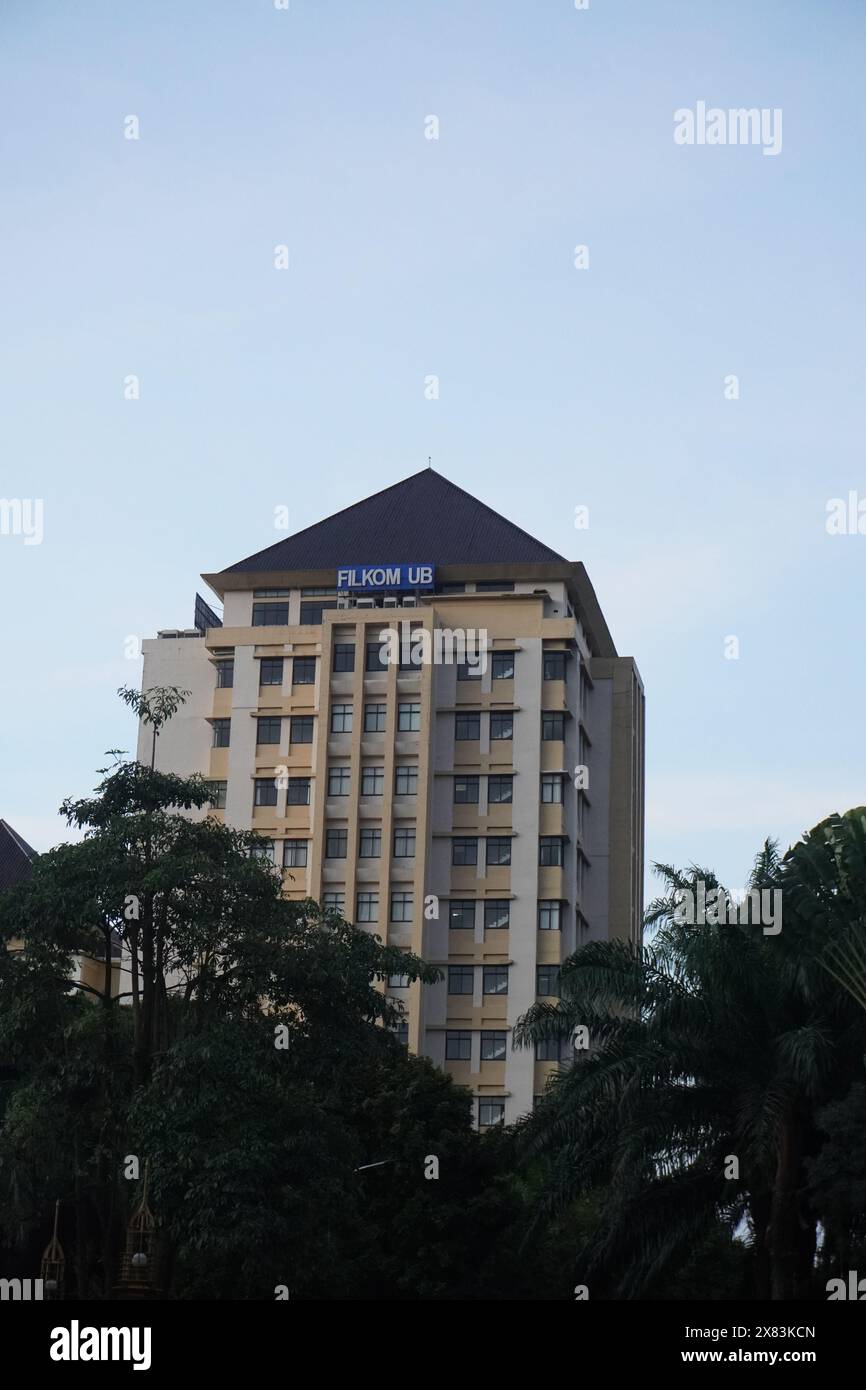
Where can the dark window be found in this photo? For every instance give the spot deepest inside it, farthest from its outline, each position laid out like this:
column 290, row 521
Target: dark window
column 271, row 670
column 554, row 666
column 493, row 1046
column 344, row 656
column 500, row 789
column 218, row 795
column 264, row 851
column 398, row 981
column 406, row 781
column 552, row 725
column 404, row 844
column 294, row 854
column 265, row 793
column 336, row 842
column 461, row 914
column 298, row 793
column 497, row 914
column 550, row 850
column 547, row 980
column 335, row 901
column 547, row 1050
column 452, row 588
column 272, row 593
column 458, row 1046
column 374, row 719
column 466, row 789
column 461, row 979
column 502, row 666
column 301, row 728
column 467, row 726
column 221, row 732
column 464, row 850
column 373, row 781
column 368, row 907
column 339, row 781
column 490, row 586
column 270, row 614
column 491, row 1112
column 225, row 674
column 468, row 671
column 498, row 849
column 401, row 907
column 549, row 914
column 303, row 670
column 341, row 719
column 494, row 979
column 371, row 844
column 376, row 657
column 501, row 726
column 408, row 717
column 311, row 613
column 269, row 730
column 551, row 787
column 401, row 1032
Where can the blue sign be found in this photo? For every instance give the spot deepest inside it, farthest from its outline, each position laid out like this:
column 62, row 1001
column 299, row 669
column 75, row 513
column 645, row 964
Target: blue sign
column 385, row 577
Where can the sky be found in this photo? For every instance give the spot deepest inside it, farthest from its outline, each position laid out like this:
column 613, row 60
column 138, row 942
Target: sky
column 605, row 384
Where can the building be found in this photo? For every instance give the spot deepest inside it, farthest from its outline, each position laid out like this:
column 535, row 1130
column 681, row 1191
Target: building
column 16, row 857
column 483, row 808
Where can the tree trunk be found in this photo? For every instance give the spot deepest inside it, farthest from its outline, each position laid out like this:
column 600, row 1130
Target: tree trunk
column 785, row 1233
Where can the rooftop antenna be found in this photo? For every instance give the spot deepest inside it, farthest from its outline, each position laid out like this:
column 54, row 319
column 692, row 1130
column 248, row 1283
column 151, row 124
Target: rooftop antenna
column 429, row 461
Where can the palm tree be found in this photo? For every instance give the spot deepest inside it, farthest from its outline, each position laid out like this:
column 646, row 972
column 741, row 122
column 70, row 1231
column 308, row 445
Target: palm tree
column 712, row 1049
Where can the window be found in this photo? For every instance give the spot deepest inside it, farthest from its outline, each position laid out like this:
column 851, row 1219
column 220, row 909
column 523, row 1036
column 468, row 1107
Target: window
column 406, row 781
column 401, row 907
column 311, row 613
column 469, row 671
column 221, row 732
column 373, row 781
column 547, row 1050
column 464, row 849
column 271, row 670
column 461, row 914
column 408, row 717
column 554, row 666
column 549, row 915
column 268, row 730
column 335, row 901
column 344, row 656
column 467, row 726
column 492, row 586
column 494, row 979
column 264, row 851
column 298, row 793
column 466, row 790
column 265, row 792
column 301, row 728
column 303, row 670
column 272, row 593
column 341, row 719
column 294, row 854
column 404, row 843
column 452, row 589
column 374, row 719
column 270, row 614
column 499, row 849
column 401, row 1032
column 317, row 591
column 225, row 674
column 501, row 726
column 398, row 981
column 375, row 657
column 339, row 781
column 336, row 842
column 368, row 907
column 218, row 795
column 490, row 1112
column 547, row 980
column 497, row 914
column 458, row 1046
column 493, row 1046
column 500, row 789
column 551, row 787
column 461, row 979
column 371, row 844
column 502, row 666
column 550, row 851
column 552, row 725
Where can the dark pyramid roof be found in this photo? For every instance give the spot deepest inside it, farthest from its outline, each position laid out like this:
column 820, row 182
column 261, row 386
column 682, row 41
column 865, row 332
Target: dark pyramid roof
column 424, row 518
column 16, row 857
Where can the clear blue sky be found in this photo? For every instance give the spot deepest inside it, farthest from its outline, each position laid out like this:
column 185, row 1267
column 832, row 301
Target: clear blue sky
column 411, row 257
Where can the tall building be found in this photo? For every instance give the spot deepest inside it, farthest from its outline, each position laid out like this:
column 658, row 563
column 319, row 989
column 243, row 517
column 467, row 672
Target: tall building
column 475, row 794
